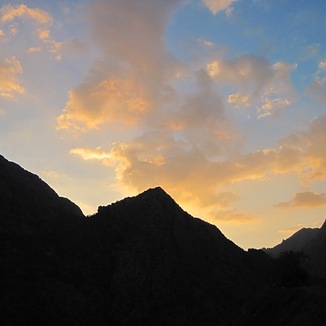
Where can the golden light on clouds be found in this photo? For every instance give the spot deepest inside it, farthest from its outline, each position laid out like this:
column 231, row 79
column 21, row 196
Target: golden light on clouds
column 306, row 199
column 9, row 13
column 184, row 141
column 259, row 83
column 216, row 6
column 12, row 19
column 239, row 100
column 232, row 216
column 90, row 154
column 9, row 69
column 189, row 176
column 110, row 101
column 148, row 99
column 271, row 105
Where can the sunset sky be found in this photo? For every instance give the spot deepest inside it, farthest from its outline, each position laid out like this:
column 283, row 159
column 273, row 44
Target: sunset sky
column 222, row 103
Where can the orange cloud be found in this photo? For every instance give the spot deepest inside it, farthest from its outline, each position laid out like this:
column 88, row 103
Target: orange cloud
column 54, row 47
column 232, row 216
column 9, row 13
column 266, row 85
column 110, row 101
column 188, row 174
column 306, row 199
column 239, row 100
column 185, row 166
column 132, row 77
column 270, row 106
column 216, row 6
column 34, row 49
column 90, row 154
column 311, row 144
column 185, row 143
column 9, row 86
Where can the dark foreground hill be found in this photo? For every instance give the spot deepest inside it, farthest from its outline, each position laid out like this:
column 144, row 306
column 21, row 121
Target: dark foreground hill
column 139, row 261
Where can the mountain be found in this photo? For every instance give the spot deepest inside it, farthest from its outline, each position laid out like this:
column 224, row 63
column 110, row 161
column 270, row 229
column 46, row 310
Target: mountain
column 312, row 242
column 25, row 194
column 295, row 242
column 39, row 238
column 316, row 250
column 140, row 261
column 169, row 268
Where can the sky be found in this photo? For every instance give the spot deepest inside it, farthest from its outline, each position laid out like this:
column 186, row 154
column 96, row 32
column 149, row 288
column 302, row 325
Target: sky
column 222, row 103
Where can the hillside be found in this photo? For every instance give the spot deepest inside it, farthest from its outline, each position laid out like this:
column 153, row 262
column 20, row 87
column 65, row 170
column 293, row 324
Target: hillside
column 140, row 261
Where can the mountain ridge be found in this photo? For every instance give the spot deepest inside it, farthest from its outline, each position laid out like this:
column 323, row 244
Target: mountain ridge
column 142, row 260
column 296, row 242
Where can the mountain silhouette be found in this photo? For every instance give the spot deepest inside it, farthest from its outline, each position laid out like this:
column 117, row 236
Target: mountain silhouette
column 296, row 242
column 170, row 268
column 140, row 261
column 316, row 250
column 309, row 241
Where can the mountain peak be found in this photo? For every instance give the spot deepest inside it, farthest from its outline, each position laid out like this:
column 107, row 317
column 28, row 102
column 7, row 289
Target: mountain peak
column 24, row 193
column 157, row 193
column 157, row 189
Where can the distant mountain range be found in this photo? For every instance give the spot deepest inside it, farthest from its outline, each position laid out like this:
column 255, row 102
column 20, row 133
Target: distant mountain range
column 297, row 242
column 312, row 242
column 139, row 261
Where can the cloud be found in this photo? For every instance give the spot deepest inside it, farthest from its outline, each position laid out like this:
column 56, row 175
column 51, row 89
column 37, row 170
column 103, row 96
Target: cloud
column 179, row 138
column 75, row 46
column 270, row 106
column 9, row 86
column 216, row 6
column 318, row 87
column 110, row 101
column 34, row 49
column 3, row 113
column 259, row 82
column 188, row 168
column 132, row 77
column 90, row 154
column 223, row 199
column 311, row 144
column 9, row 13
column 233, row 216
column 54, row 47
column 322, row 65
column 42, row 18
column 239, row 100
column 187, row 172
column 244, row 70
column 306, row 199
